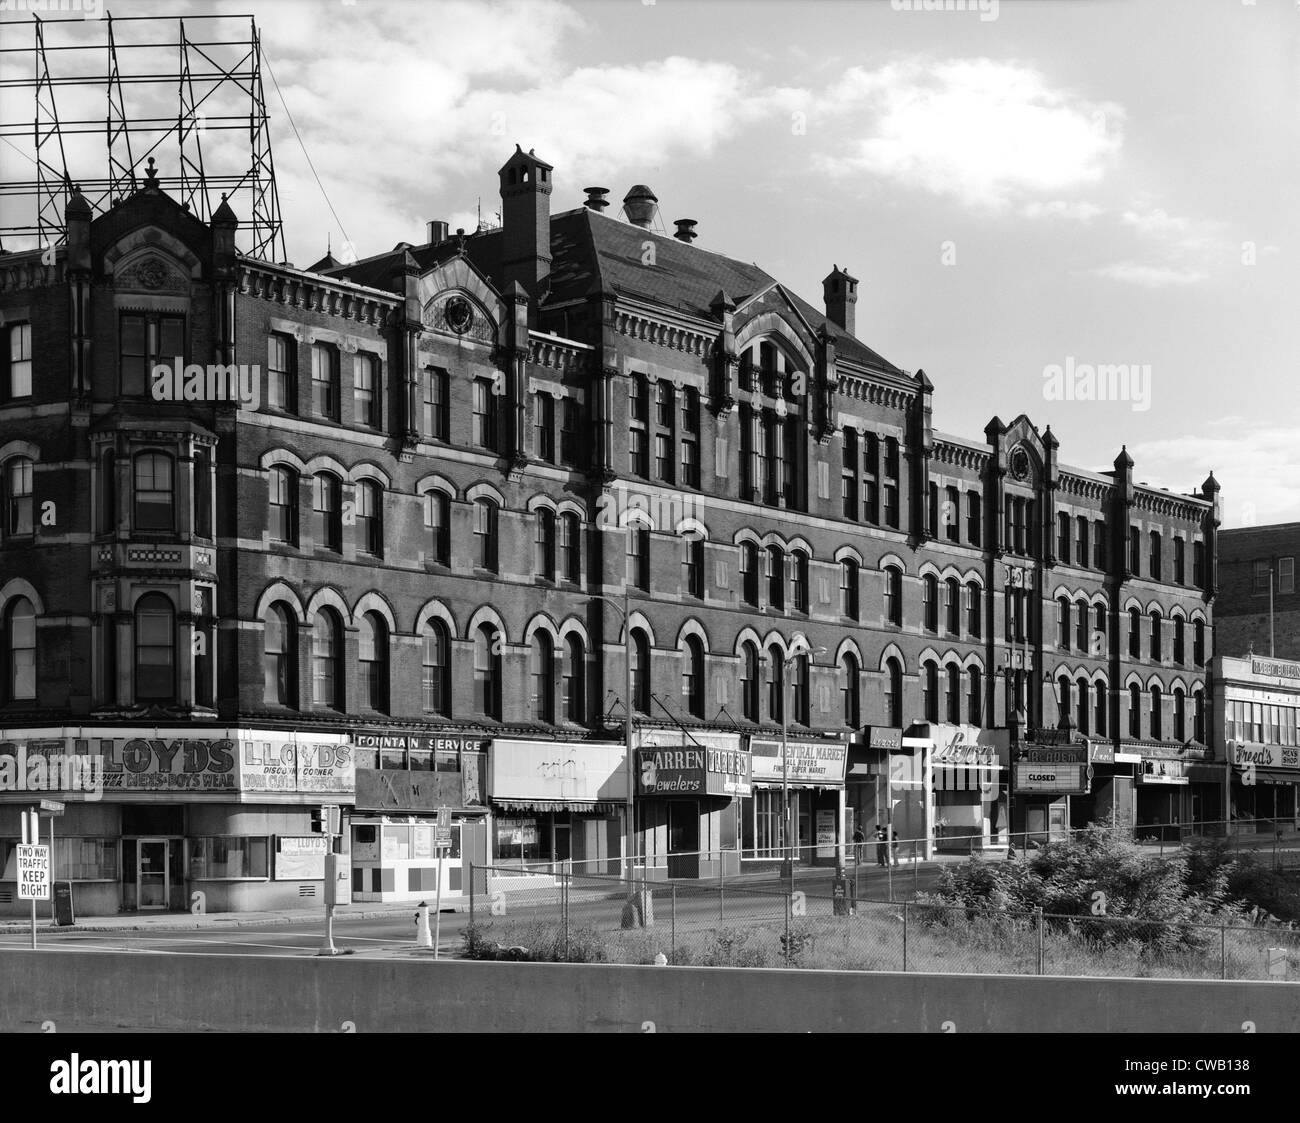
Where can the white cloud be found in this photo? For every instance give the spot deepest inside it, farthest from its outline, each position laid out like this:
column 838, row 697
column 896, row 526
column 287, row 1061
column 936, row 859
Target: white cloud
column 1257, row 466
column 1150, row 276
column 1063, row 209
column 983, row 131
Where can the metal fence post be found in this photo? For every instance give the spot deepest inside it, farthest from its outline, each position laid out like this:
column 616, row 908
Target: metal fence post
column 564, row 909
column 672, row 938
column 915, row 868
column 722, row 904
column 1223, row 951
column 904, row 936
column 1038, row 919
column 471, row 892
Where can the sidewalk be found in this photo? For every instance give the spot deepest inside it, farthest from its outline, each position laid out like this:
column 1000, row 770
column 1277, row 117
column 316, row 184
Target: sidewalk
column 180, row 921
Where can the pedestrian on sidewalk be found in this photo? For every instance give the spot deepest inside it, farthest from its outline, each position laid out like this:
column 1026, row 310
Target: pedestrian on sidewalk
column 893, row 843
column 858, row 839
column 882, row 847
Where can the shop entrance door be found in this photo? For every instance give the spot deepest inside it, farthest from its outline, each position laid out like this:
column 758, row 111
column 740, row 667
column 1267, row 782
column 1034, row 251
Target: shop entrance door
column 683, row 838
column 151, row 873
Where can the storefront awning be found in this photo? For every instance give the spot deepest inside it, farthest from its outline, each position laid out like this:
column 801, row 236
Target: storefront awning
column 592, row 807
column 1269, row 775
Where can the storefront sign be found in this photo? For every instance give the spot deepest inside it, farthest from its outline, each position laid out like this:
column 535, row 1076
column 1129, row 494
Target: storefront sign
column 884, row 737
column 300, row 859
column 1056, row 754
column 417, row 742
column 1264, row 756
column 1101, row 752
column 1051, row 777
column 557, row 771
column 1162, row 772
column 1274, row 668
column 675, row 765
column 817, row 762
column 282, row 763
column 969, row 745
column 825, row 834
column 395, row 790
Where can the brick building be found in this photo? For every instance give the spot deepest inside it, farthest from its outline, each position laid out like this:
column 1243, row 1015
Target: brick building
column 1251, row 559
column 393, row 575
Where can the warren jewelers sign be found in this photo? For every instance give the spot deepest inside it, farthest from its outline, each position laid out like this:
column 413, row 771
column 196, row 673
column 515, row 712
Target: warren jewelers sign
column 818, row 762
column 692, row 770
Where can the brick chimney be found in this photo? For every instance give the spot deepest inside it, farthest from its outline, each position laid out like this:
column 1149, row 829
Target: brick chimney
column 526, row 222
column 840, row 292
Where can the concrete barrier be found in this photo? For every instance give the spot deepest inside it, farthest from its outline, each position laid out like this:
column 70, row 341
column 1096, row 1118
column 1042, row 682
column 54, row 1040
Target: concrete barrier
column 121, row 991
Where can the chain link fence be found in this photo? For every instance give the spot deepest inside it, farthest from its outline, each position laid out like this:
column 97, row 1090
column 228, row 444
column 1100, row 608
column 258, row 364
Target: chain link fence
column 597, row 918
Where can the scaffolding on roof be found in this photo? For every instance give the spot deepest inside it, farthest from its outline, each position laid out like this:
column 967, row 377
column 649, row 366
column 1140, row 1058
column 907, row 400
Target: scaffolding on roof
column 182, row 91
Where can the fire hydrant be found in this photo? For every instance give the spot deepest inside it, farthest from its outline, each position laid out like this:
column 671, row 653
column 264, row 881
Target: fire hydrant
column 423, row 937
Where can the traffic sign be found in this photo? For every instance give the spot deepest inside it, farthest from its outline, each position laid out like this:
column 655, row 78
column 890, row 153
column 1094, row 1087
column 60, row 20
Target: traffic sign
column 52, row 807
column 442, row 838
column 33, row 873
column 444, row 817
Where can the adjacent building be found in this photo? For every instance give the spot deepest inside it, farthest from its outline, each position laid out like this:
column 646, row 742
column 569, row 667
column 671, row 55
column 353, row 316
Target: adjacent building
column 1258, row 609
column 398, row 533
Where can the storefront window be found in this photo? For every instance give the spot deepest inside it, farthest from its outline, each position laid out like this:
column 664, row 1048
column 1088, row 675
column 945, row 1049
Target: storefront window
column 75, row 859
column 762, row 830
column 218, row 856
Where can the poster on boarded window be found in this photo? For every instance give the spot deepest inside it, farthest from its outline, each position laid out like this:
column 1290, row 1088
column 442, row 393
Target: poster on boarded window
column 300, row 858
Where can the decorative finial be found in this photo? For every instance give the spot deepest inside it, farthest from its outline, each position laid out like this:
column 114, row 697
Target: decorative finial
column 151, row 175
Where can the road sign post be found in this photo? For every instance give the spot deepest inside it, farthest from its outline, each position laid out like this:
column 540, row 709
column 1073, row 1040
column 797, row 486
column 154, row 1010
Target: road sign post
column 33, row 877
column 441, row 844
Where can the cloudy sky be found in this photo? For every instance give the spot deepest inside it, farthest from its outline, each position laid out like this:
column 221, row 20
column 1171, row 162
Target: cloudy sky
column 1037, row 185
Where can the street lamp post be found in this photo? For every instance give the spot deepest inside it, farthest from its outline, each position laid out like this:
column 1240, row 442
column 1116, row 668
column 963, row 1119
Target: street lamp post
column 799, row 647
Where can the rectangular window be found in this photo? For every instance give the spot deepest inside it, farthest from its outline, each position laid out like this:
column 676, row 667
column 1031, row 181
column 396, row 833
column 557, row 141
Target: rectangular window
column 20, row 362
column 693, row 567
column 203, row 493
column 690, row 438
column 324, row 382
column 1198, row 564
column 325, row 503
column 365, row 388
column 18, row 489
column 485, row 415
column 569, row 422
column 1134, row 550
column 437, row 408
column 485, row 528
column 636, row 452
column 1180, row 561
column 544, row 427
column 1263, row 578
column 1099, row 544
column 1081, row 543
column 1286, row 575
column 951, row 514
column 133, row 354
column 215, row 857
column 664, row 458
column 281, row 385
column 891, row 506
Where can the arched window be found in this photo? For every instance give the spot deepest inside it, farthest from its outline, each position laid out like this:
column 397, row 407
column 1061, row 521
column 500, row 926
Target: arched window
column 850, row 690
column 154, row 494
column 542, row 672
column 485, row 534
column 974, row 610
column 571, row 547
column 894, row 684
column 18, row 496
column 1156, row 733
column 284, row 505
column 437, row 520
column 1081, row 625
column 1063, row 622
column 849, row 588
column 1135, row 633
column 693, row 677
column 749, row 573
column 930, row 691
column 279, row 657
column 893, row 595
column 20, row 650
column 1100, row 709
column 372, row 654
column 575, row 680
column 799, row 577
column 775, row 683
column 640, row 671
column 953, row 606
column 326, row 505
column 930, row 602
column 326, row 660
column 1063, row 700
column 1198, row 644
column 1155, row 636
column 749, row 679
column 370, row 518
column 435, row 672
column 1135, row 711
column 799, row 689
column 975, row 698
column 954, row 693
column 776, row 578
column 1082, row 704
column 1180, row 715
column 487, row 671
column 544, row 543
column 155, row 649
